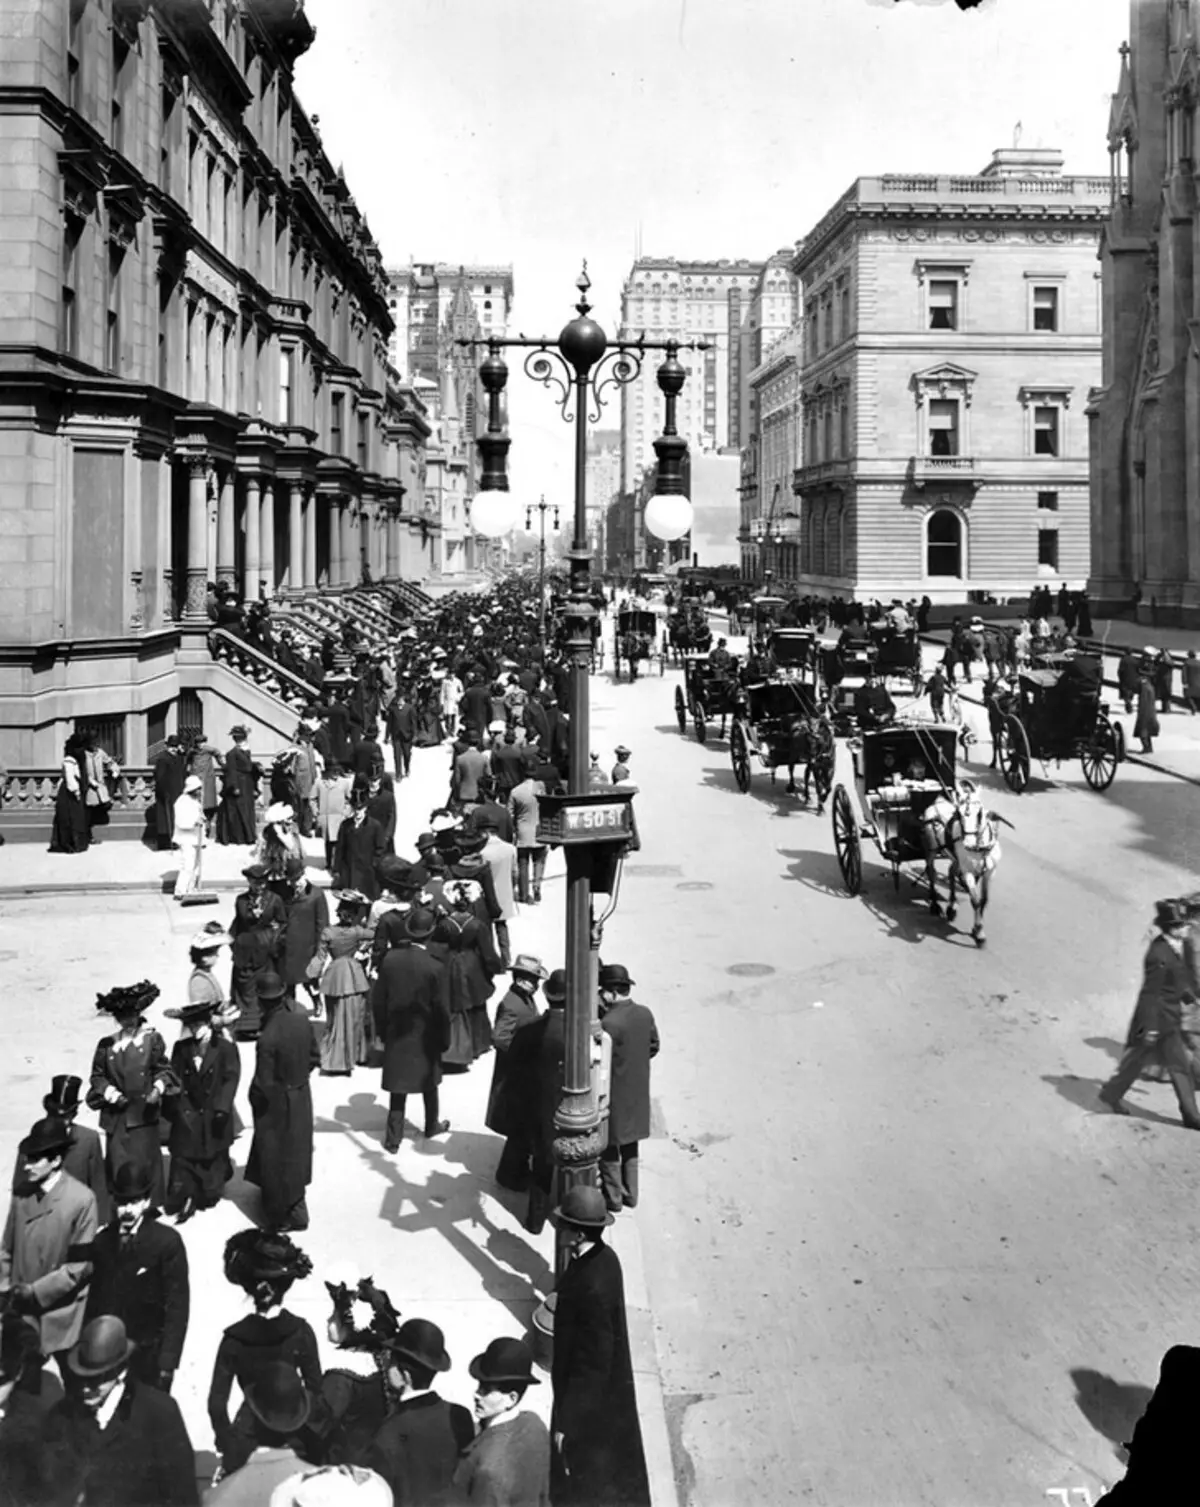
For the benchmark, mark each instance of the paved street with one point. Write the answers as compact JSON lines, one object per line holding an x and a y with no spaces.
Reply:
{"x":880,"y":1203}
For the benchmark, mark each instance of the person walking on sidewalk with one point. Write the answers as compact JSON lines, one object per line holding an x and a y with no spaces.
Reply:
{"x":281,"y":1154}
{"x":504,"y":1116}
{"x":597,"y":1439}
{"x":1145,"y":728}
{"x":412,"y":1019}
{"x":1128,"y":675}
{"x":1156,"y":1033}
{"x":508,"y":1462}
{"x":188,"y":827}
{"x":1191,"y":681}
{"x":417,"y":1450}
{"x":1164,"y":675}
{"x":170,"y":770}
{"x":634,"y":1042}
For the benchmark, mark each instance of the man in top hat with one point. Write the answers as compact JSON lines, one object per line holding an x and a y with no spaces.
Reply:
{"x":170,"y":769}
{"x":84,"y":1160}
{"x":417,"y":1449}
{"x":597,"y":1454}
{"x":208,"y":1068}
{"x":126,"y":1441}
{"x":140,"y":1275}
{"x":719,"y":657}
{"x":279,"y":1406}
{"x":50,"y":1218}
{"x":412,"y":1018}
{"x":281,"y":1153}
{"x":634,"y":1042}
{"x":509,"y":1459}
{"x":518,"y":1008}
{"x":1156,"y":1033}
{"x":620,"y":770}
{"x":188,"y":828}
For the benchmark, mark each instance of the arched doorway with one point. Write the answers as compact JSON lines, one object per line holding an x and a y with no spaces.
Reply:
{"x":944,"y":544}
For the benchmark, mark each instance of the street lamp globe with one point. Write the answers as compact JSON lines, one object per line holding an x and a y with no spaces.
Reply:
{"x":494,"y":514}
{"x":668,"y":516}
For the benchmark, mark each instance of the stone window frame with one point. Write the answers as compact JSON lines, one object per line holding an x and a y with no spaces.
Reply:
{"x":944,"y":382}
{"x":943,"y":269}
{"x":1036,"y":280}
{"x":1047,"y":395}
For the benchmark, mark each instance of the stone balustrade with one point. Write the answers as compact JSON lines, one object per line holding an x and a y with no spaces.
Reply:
{"x":292,"y":689}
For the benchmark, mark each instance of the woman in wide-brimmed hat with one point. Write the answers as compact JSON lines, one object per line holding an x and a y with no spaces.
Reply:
{"x":208,"y":1068}
{"x":264,"y":1266}
{"x":279,"y":848}
{"x":239,"y":788}
{"x":343,"y":983}
{"x":130,"y":1078}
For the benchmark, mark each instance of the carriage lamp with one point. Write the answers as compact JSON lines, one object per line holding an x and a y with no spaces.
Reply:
{"x":668,"y":514}
{"x":493,"y":508}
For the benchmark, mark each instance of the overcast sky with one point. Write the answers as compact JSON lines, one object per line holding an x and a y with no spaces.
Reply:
{"x":539,"y":132}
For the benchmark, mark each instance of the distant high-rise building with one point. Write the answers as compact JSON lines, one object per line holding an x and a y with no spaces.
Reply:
{"x":603,"y":476}
{"x":668,"y":299}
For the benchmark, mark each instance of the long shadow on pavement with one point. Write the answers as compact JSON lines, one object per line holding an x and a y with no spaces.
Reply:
{"x":1111,"y":1407}
{"x":445,"y":1202}
{"x":1084,"y":1093}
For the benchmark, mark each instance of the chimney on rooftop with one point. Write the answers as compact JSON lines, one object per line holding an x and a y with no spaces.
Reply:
{"x":1024,"y":162}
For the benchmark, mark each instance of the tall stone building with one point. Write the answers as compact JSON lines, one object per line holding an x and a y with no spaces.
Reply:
{"x":194,"y":383}
{"x":767,"y":535}
{"x":951,"y":336}
{"x":1145,"y":430}
{"x":603,"y":481}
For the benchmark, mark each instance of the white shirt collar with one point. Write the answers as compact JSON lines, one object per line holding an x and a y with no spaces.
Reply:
{"x":104,"y":1413}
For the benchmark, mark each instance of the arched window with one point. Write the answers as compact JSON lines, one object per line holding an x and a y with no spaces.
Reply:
{"x":944,"y":544}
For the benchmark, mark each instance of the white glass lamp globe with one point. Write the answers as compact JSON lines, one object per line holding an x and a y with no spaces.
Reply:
{"x":668,"y":516}
{"x":493,"y":514}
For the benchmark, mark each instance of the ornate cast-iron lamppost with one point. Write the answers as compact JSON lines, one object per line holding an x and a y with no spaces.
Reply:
{"x":542,"y":507}
{"x":593,"y":826}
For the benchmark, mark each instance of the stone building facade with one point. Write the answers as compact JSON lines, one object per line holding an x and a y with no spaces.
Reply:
{"x":951,"y":336}
{"x":194,"y":376}
{"x":1145,"y":433}
{"x":767,"y":537}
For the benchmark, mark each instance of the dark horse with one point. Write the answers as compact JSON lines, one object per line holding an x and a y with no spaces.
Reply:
{"x":810,"y":743}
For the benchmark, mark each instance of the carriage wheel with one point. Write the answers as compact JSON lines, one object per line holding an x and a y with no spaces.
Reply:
{"x":699,"y":723}
{"x":680,"y":709}
{"x":1100,"y":755}
{"x":739,"y":756}
{"x":846,"y":840}
{"x":1014,"y":754}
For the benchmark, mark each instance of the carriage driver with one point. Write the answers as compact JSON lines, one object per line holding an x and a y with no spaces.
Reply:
{"x":873,"y":705}
{"x":720,"y":657}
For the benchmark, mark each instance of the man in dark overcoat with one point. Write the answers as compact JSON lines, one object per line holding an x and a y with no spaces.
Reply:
{"x":359,"y":848}
{"x":140,"y":1275}
{"x":417,"y":1449}
{"x":1156,"y":1033}
{"x":518,"y":1008}
{"x":533,"y":1088}
{"x":209,"y":1069}
{"x":281,"y":1154}
{"x":127,"y":1442}
{"x":597,"y":1439}
{"x":307,"y":918}
{"x":402,"y":730}
{"x":170,"y":770}
{"x":412,"y":1018}
{"x":634,"y":1042}
{"x":259,"y":920}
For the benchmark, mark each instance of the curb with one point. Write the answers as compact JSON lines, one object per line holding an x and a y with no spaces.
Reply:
{"x":652,"y":1411}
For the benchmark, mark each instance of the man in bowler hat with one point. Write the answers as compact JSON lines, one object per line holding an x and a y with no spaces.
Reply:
{"x":140,"y":1276}
{"x":412,"y":1018}
{"x":416,"y":1451}
{"x":281,"y":1153}
{"x":51,"y":1219}
{"x":279,"y":1405}
{"x":634,"y":1042}
{"x":126,"y":1441}
{"x":84,"y":1160}
{"x":597,"y":1455}
{"x":509,"y":1459}
{"x":533,"y":1088}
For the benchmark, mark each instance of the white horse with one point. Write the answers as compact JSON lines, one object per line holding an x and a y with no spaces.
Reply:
{"x":958,"y":827}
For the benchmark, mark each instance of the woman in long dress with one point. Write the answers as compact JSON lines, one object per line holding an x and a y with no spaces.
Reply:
{"x":70,"y":831}
{"x":279,"y":850}
{"x":130,"y":1077}
{"x":344,"y":987}
{"x":103,"y":772}
{"x":472,"y":962}
{"x":235,"y":816}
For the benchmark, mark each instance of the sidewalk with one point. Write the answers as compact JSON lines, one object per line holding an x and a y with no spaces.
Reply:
{"x":428,"y":1223}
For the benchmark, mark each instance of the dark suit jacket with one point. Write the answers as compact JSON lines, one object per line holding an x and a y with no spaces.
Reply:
{"x":417,"y":1449}
{"x":1168,"y":982}
{"x":146,"y":1286}
{"x":281,"y":1153}
{"x":595,"y":1403}
{"x":533,"y":1080}
{"x":412,"y":1017}
{"x":143,"y":1459}
{"x":366,"y":756}
{"x":475,"y":706}
{"x":202,"y":1112}
{"x":402,"y":722}
{"x":634,"y":1042}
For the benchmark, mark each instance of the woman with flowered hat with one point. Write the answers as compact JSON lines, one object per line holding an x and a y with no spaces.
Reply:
{"x":130,"y":1078}
{"x":207,"y":1065}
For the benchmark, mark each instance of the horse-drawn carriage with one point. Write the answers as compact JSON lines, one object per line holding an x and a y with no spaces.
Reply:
{"x":689,"y":629}
{"x":1056,"y":713}
{"x":707,"y":692}
{"x":895,"y":654}
{"x":795,"y":654}
{"x":764,"y":616}
{"x":781,"y":724}
{"x":636,"y":641}
{"x":915,"y":810}
{"x":844,"y":671}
